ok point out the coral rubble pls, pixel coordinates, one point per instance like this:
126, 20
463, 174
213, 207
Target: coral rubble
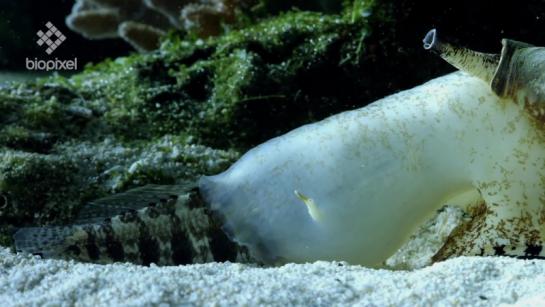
142, 22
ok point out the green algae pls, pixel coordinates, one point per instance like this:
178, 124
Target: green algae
35, 187
226, 85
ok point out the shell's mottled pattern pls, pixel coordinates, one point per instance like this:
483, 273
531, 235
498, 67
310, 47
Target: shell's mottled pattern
520, 76
512, 216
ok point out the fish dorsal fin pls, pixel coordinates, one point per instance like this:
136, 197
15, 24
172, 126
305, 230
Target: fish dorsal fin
134, 199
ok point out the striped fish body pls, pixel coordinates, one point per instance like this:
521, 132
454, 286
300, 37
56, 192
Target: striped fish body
165, 226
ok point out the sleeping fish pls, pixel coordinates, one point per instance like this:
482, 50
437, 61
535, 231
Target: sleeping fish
352, 187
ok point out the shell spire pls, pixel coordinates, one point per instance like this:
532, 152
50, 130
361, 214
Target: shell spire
478, 64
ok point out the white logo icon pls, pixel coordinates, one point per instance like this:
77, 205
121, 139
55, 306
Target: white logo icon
53, 38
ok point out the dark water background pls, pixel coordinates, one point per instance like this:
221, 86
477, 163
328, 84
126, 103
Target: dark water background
21, 19
474, 23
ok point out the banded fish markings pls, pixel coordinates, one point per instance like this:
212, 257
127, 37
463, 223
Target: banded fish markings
173, 230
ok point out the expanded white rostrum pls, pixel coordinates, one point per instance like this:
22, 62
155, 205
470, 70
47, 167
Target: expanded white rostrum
354, 186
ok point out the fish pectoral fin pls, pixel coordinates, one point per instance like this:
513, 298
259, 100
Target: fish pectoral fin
312, 209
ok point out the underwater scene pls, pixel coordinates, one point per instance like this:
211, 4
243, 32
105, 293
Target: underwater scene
272, 153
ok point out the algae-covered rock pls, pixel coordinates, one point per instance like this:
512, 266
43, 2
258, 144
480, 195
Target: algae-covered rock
236, 90
50, 188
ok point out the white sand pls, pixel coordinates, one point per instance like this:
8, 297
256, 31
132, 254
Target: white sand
26, 280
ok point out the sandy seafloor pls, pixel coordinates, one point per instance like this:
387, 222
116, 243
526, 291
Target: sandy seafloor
28, 280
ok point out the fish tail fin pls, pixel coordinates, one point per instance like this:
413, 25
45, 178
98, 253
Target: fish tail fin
48, 242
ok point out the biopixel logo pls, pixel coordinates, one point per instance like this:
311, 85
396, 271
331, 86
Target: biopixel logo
46, 38
51, 39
